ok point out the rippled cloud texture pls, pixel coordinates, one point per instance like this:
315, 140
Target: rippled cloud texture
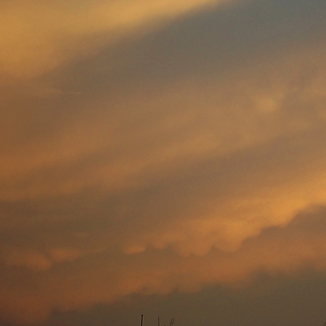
170, 151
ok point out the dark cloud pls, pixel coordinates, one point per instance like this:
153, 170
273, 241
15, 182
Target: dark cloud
278, 300
162, 160
285, 283
214, 42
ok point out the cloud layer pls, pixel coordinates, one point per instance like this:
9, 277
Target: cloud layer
148, 148
42, 35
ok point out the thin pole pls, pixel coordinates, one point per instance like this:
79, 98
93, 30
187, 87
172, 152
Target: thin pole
158, 321
141, 320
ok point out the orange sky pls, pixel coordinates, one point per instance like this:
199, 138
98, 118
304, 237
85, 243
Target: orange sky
162, 157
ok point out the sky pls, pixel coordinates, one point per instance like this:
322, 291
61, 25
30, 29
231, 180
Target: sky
164, 158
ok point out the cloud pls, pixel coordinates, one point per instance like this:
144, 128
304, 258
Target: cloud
106, 277
184, 157
41, 36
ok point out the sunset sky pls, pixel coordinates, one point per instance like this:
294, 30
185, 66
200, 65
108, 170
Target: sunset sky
165, 158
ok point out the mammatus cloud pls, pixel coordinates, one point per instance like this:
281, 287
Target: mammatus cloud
181, 220
107, 276
144, 168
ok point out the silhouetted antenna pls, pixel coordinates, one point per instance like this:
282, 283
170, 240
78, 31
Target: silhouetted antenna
172, 321
141, 320
158, 321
